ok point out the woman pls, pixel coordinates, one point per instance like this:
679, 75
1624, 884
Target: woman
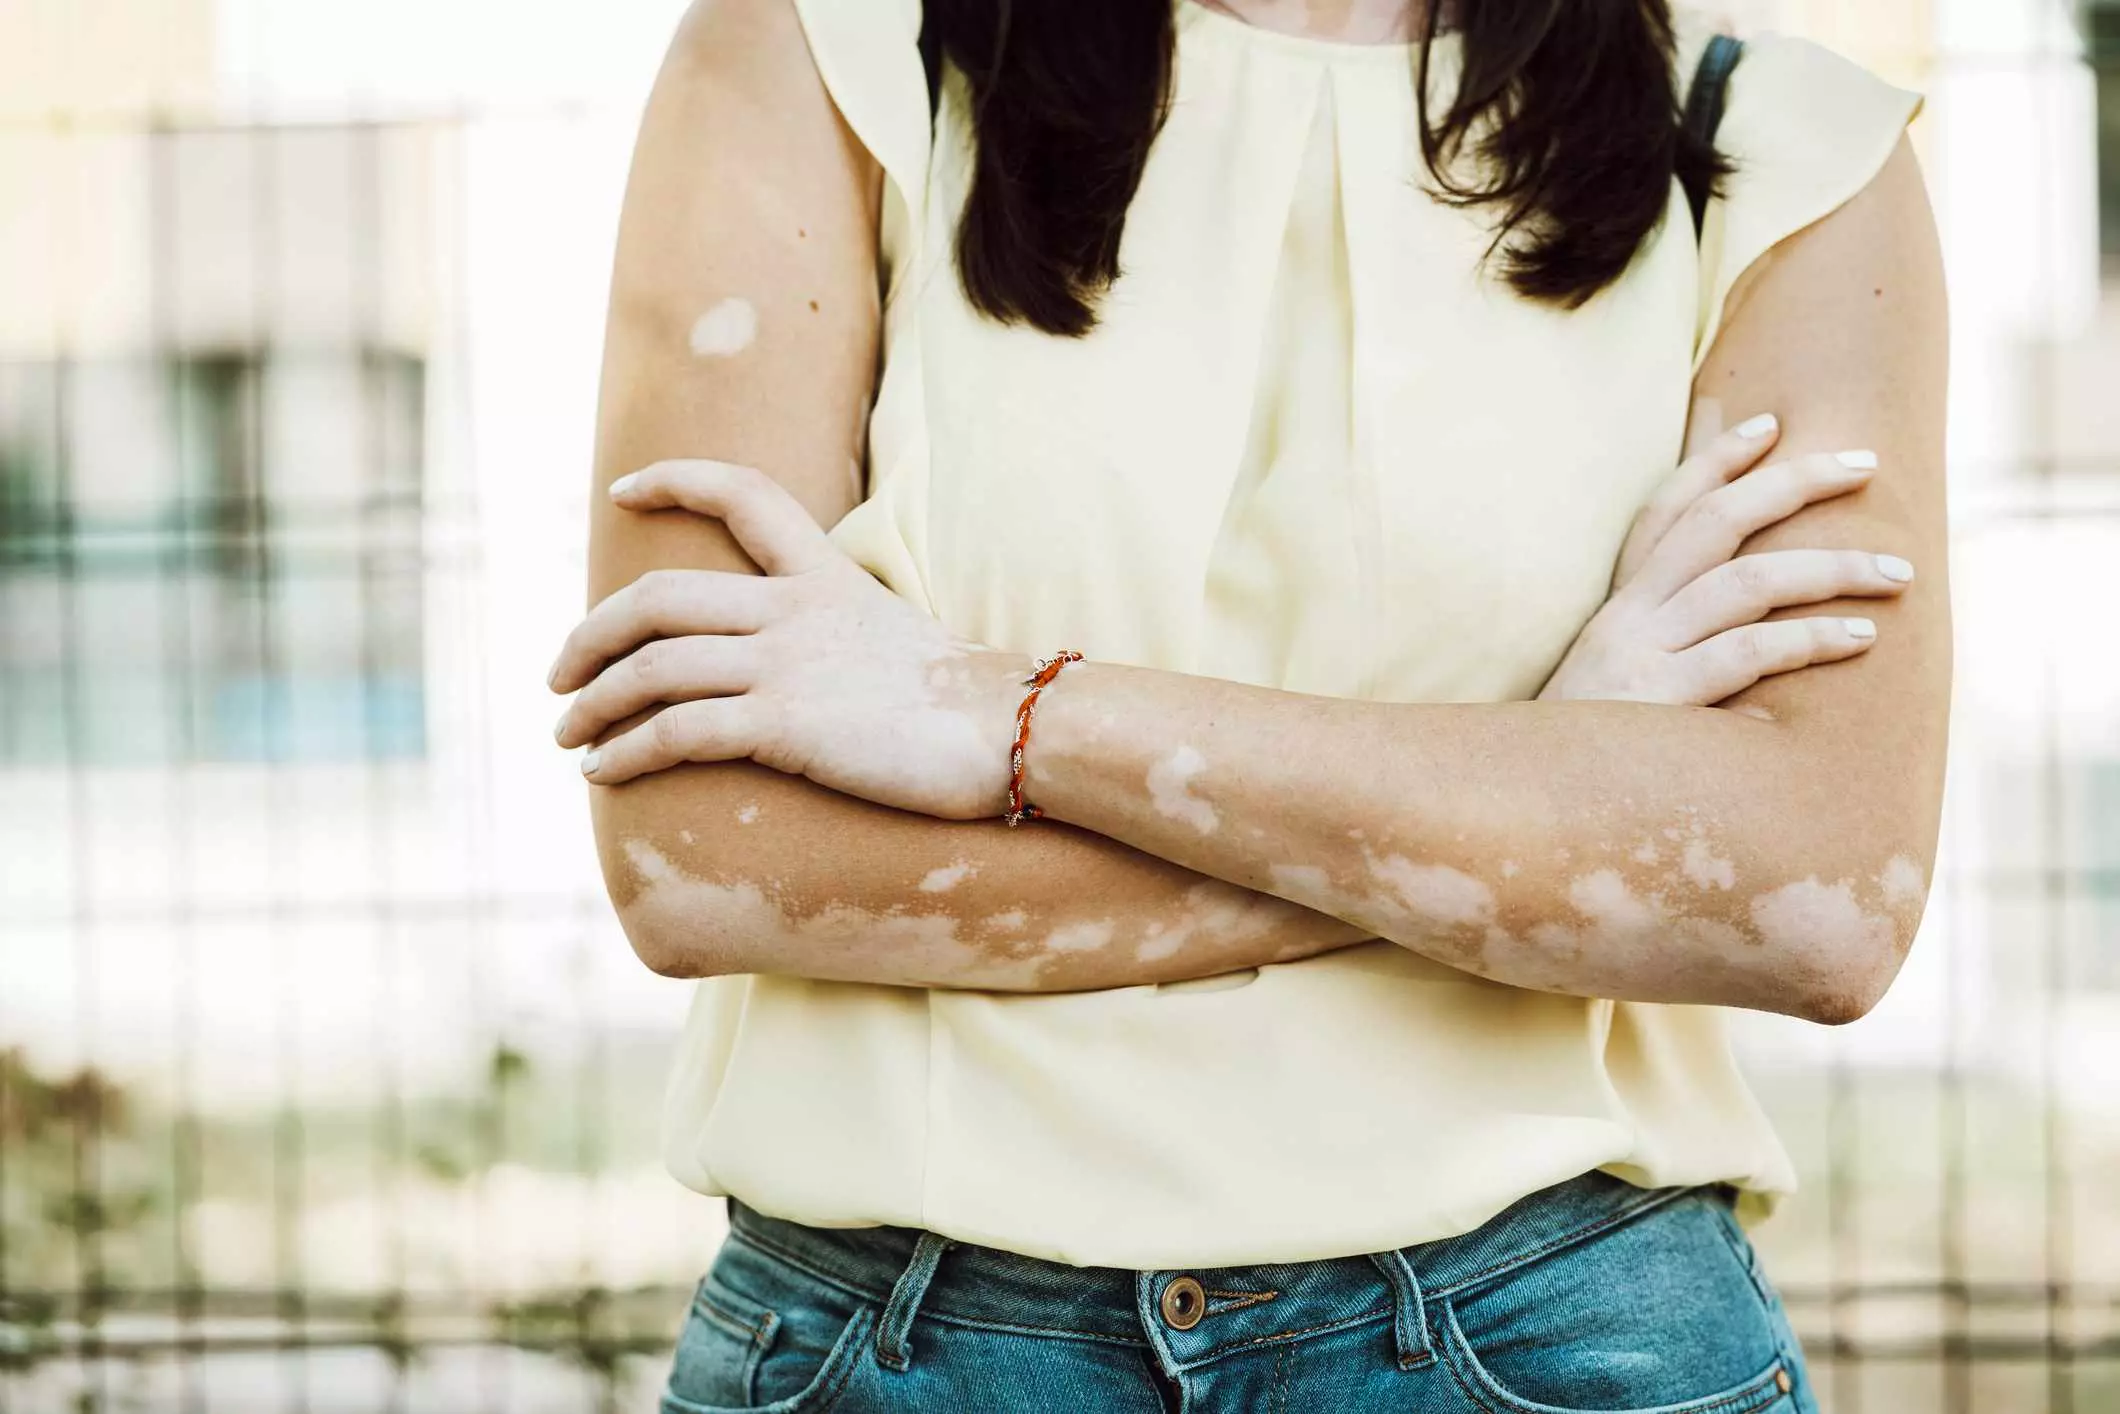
1345, 1034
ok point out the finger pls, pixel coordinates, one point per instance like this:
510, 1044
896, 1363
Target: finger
1733, 660
662, 604
711, 729
770, 525
1722, 460
1710, 530
1748, 588
660, 670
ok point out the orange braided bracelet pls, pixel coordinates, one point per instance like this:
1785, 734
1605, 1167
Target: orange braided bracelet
1044, 673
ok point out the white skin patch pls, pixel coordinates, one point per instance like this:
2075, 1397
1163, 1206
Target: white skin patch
1218, 915
1435, 894
1605, 899
838, 941
1902, 882
725, 330
1645, 853
1300, 882
1705, 869
946, 878
1170, 790
1009, 921
1810, 916
685, 835
1081, 937
749, 813
1510, 869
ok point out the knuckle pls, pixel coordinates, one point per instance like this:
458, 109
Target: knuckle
666, 732
1747, 650
1751, 576
649, 660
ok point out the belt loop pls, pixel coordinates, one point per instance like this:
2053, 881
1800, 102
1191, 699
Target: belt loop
893, 1332
1410, 1320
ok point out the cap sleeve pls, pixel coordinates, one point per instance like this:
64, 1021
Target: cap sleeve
1805, 130
868, 54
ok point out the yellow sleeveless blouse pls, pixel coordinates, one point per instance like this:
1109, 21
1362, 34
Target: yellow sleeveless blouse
1312, 445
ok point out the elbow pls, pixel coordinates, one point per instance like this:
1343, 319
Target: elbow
1843, 973
668, 949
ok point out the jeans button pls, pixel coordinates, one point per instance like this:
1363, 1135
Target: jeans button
1184, 1303
1782, 1381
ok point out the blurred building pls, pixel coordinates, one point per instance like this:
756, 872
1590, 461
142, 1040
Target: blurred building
325, 1078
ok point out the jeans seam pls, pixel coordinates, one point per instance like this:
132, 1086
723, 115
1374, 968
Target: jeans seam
1653, 1198
1457, 1352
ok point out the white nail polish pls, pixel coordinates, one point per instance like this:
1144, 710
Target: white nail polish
589, 762
1862, 629
624, 483
1895, 569
559, 728
1757, 427
1858, 461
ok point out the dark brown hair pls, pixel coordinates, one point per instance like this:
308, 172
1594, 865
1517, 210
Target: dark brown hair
1565, 125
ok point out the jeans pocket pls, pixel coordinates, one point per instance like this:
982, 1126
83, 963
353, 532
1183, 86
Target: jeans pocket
764, 1336
1657, 1313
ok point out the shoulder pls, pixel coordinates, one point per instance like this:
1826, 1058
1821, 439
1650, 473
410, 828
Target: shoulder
1810, 135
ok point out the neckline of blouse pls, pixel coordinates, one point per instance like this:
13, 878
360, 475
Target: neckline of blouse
1194, 14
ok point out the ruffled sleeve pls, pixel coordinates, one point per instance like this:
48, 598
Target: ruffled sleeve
868, 54
1806, 130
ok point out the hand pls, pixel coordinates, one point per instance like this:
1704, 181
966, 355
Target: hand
813, 668
1683, 625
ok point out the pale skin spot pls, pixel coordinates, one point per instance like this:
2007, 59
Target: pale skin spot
948, 877
1081, 937
1808, 916
1010, 921
1613, 908
1645, 853
838, 940
685, 835
1510, 869
1435, 894
747, 814
1705, 869
725, 330
1300, 881
1170, 790
1902, 882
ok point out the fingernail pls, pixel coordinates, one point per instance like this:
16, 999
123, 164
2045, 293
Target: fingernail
589, 760
559, 728
552, 678
1757, 427
1894, 569
1857, 628
1858, 461
624, 483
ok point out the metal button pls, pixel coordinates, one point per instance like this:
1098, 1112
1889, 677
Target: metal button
1782, 1381
1184, 1303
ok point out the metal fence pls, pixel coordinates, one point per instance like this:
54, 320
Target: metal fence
326, 1081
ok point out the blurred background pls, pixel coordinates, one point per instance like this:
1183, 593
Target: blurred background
327, 1082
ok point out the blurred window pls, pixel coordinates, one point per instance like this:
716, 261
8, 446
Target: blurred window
211, 557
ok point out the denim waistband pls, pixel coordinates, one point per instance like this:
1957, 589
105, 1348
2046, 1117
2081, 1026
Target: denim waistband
906, 1270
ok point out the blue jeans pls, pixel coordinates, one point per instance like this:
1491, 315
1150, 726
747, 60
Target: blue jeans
1590, 1295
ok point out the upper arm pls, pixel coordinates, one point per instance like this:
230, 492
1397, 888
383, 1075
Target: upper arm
1841, 331
748, 195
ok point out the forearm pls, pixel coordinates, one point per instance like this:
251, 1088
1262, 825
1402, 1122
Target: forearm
736, 868
1595, 848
